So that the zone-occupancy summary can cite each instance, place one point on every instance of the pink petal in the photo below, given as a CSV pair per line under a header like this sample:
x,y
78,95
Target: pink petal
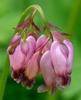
x,y
24,47
71,54
43,45
47,46
17,59
32,47
64,50
58,59
42,88
47,68
32,41
40,41
32,68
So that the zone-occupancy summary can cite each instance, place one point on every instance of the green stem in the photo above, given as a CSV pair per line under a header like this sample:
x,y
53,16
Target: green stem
x,y
4,78
73,16
38,8
44,19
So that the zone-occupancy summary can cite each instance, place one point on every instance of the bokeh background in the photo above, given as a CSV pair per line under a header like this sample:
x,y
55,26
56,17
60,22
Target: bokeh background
x,y
65,14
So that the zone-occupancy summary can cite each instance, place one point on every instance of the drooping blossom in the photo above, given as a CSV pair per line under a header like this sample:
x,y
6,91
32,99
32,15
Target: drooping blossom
x,y
17,63
48,72
18,60
31,54
62,58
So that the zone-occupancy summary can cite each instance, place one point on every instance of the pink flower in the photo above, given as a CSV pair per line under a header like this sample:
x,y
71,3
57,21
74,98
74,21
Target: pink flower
x,y
19,59
51,79
62,59
17,63
51,54
48,72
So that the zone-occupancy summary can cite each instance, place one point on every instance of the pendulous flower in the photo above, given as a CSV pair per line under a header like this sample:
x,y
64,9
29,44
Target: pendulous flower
x,y
31,53
62,58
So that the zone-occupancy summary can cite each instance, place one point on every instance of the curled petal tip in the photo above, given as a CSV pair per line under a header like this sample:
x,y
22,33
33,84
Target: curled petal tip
x,y
60,87
52,89
10,50
42,88
68,80
19,78
29,87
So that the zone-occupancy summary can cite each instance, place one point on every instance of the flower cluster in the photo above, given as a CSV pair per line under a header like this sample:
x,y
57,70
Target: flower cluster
x,y
29,56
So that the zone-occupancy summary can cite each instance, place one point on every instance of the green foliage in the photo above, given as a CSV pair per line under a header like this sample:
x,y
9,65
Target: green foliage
x,y
58,13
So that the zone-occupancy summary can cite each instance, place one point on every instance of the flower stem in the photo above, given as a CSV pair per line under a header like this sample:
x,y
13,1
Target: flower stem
x,y
44,19
38,8
4,78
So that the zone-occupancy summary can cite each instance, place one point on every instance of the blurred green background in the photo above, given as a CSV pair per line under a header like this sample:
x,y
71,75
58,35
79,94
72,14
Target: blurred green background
x,y
65,14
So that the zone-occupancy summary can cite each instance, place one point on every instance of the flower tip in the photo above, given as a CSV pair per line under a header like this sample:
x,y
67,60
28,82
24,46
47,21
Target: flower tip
x,y
68,80
52,89
60,87
10,50
42,88
29,87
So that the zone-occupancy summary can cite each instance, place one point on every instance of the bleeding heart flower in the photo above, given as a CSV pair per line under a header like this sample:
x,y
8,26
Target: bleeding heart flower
x,y
17,63
48,72
62,58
